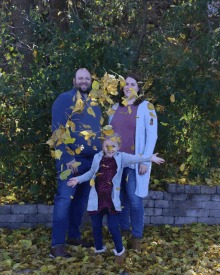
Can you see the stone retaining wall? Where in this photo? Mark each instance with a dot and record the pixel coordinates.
(180, 204)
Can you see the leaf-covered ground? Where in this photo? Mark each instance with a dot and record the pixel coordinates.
(189, 249)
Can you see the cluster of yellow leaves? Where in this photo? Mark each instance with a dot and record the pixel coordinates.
(189, 250)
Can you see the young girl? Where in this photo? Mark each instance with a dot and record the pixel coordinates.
(104, 197)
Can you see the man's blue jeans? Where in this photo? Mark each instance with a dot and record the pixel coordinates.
(113, 226)
(133, 205)
(68, 213)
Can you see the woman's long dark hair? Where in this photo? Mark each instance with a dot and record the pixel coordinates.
(140, 92)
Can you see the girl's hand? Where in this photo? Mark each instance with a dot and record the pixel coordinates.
(142, 169)
(157, 160)
(72, 182)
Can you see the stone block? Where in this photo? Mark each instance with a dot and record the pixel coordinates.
(185, 220)
(198, 197)
(146, 220)
(161, 220)
(197, 213)
(193, 189)
(215, 198)
(39, 218)
(174, 212)
(209, 220)
(17, 225)
(161, 204)
(45, 209)
(208, 189)
(5, 224)
(175, 197)
(170, 187)
(211, 205)
(156, 195)
(12, 218)
(180, 189)
(5, 209)
(218, 190)
(148, 203)
(215, 213)
(24, 209)
(153, 211)
(48, 224)
(186, 204)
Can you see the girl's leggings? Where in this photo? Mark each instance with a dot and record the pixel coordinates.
(113, 226)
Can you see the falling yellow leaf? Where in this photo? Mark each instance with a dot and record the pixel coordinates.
(127, 178)
(51, 143)
(35, 53)
(118, 189)
(61, 167)
(101, 120)
(132, 147)
(95, 85)
(107, 127)
(72, 125)
(118, 139)
(89, 142)
(110, 148)
(122, 81)
(102, 138)
(133, 91)
(69, 140)
(58, 154)
(122, 207)
(94, 104)
(94, 147)
(105, 166)
(65, 174)
(72, 197)
(60, 141)
(69, 151)
(151, 114)
(136, 116)
(92, 182)
(98, 174)
(110, 112)
(108, 132)
(53, 154)
(109, 182)
(38, 132)
(182, 167)
(172, 98)
(129, 110)
(61, 46)
(78, 151)
(151, 121)
(125, 102)
(76, 164)
(74, 98)
(186, 50)
(140, 155)
(113, 139)
(150, 106)
(90, 111)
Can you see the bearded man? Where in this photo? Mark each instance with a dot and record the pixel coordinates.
(70, 203)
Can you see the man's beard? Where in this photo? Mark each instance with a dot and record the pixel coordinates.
(84, 91)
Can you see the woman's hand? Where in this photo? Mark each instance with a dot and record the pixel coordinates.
(72, 182)
(69, 166)
(157, 160)
(142, 169)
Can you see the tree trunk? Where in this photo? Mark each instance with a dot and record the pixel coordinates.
(58, 13)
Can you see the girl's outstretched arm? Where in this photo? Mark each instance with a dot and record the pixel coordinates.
(155, 159)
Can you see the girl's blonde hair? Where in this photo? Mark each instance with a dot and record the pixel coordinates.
(116, 135)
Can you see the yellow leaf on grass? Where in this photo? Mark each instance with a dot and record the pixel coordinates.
(182, 167)
(151, 114)
(92, 182)
(172, 98)
(58, 154)
(65, 174)
(90, 111)
(78, 151)
(69, 151)
(150, 106)
(129, 110)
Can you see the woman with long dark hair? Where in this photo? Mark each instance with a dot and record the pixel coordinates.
(137, 126)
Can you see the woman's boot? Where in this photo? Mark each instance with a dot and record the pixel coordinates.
(136, 243)
(99, 251)
(119, 257)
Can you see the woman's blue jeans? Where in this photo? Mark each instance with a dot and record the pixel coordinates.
(68, 213)
(113, 226)
(133, 205)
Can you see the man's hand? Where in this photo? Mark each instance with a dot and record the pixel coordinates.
(157, 160)
(69, 166)
(142, 169)
(72, 182)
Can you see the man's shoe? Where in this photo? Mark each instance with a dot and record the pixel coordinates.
(58, 251)
(125, 233)
(78, 242)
